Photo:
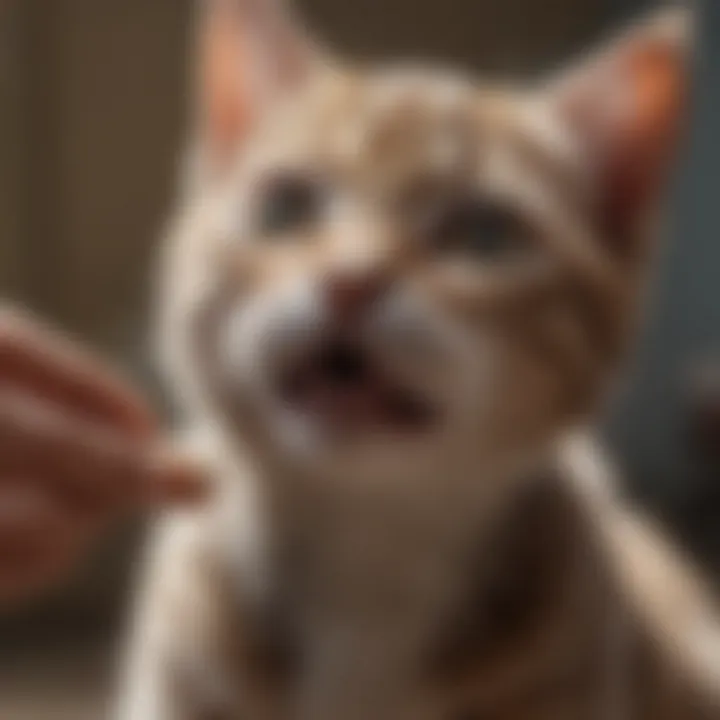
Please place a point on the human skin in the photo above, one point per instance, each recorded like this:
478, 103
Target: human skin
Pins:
80, 450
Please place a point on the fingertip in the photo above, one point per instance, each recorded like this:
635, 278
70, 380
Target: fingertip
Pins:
178, 479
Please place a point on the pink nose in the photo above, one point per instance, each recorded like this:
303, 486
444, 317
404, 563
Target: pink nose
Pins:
350, 294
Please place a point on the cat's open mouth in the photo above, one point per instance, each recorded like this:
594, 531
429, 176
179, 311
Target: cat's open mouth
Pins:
343, 386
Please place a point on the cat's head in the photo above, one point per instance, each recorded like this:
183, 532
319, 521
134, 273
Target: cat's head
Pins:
385, 270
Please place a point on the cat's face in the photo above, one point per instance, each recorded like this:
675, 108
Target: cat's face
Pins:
402, 271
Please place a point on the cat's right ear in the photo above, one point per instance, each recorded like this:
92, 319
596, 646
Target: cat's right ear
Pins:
248, 53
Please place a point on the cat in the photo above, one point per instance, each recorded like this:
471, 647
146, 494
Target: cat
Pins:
393, 301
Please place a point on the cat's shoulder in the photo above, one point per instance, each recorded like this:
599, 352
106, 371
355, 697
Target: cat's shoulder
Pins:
660, 583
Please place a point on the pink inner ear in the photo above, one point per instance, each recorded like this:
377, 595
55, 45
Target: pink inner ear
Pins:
249, 53
646, 135
225, 91
627, 106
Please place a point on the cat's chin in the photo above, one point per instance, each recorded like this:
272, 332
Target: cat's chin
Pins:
354, 449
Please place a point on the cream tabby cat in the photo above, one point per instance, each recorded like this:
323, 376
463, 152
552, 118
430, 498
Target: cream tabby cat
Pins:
393, 301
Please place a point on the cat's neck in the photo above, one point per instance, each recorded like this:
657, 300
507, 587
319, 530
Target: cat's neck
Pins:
332, 527
440, 504
401, 575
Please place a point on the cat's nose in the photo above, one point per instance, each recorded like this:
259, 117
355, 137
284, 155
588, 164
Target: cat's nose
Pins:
349, 294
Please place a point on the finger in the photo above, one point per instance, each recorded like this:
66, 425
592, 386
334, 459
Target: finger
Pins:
28, 575
37, 541
51, 366
25, 515
176, 478
77, 460
31, 516
88, 468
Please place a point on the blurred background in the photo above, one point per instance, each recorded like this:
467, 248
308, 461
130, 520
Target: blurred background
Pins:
93, 108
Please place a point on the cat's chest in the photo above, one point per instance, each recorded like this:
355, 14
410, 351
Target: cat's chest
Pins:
356, 600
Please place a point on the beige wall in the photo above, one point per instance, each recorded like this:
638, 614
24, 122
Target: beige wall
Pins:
96, 115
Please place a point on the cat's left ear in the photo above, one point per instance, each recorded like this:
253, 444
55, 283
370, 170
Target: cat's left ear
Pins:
249, 52
626, 106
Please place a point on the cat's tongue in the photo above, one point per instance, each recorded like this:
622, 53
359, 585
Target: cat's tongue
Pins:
343, 388
367, 406
348, 406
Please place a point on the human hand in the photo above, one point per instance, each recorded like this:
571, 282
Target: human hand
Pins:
79, 449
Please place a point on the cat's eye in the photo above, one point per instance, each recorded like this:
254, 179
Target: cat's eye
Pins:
290, 203
479, 228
